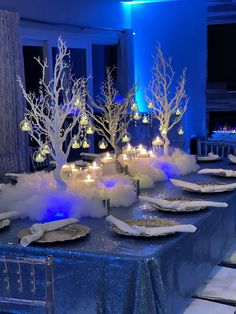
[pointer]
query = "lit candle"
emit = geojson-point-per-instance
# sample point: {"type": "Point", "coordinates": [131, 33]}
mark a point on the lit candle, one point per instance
{"type": "Point", "coordinates": [102, 144]}
{"type": "Point", "coordinates": [75, 144]}
{"type": "Point", "coordinates": [145, 120]}
{"type": "Point", "coordinates": [163, 131]}
{"type": "Point", "coordinates": [107, 158]}
{"type": "Point", "coordinates": [89, 179]}
{"type": "Point", "coordinates": [126, 138]}
{"type": "Point", "coordinates": [133, 107]}
{"type": "Point", "coordinates": [157, 141]}
{"type": "Point", "coordinates": [39, 157]}
{"type": "Point", "coordinates": [144, 153]}
{"type": "Point", "coordinates": [94, 166]}
{"type": "Point", "coordinates": [45, 149]}
{"type": "Point", "coordinates": [151, 153]}
{"type": "Point", "coordinates": [25, 126]}
{"type": "Point", "coordinates": [181, 131]}
{"type": "Point", "coordinates": [86, 144]}
{"type": "Point", "coordinates": [150, 105]}
{"type": "Point", "coordinates": [89, 130]}
{"type": "Point", "coordinates": [77, 103]}
{"type": "Point", "coordinates": [129, 149]}
{"type": "Point", "coordinates": [84, 120]}
{"type": "Point", "coordinates": [178, 112]}
{"type": "Point", "coordinates": [137, 116]}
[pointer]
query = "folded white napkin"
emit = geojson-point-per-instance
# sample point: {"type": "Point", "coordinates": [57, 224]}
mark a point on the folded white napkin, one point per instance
{"type": "Point", "coordinates": [220, 285]}
{"type": "Point", "coordinates": [205, 189]}
{"type": "Point", "coordinates": [210, 156]}
{"type": "Point", "coordinates": [37, 230]}
{"type": "Point", "coordinates": [227, 172]}
{"type": "Point", "coordinates": [199, 306]}
{"type": "Point", "coordinates": [181, 204]}
{"type": "Point", "coordinates": [232, 158]}
{"type": "Point", "coordinates": [8, 215]}
{"type": "Point", "coordinates": [152, 231]}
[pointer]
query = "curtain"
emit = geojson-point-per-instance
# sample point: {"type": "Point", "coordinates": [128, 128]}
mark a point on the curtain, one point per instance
{"type": "Point", "coordinates": [13, 142]}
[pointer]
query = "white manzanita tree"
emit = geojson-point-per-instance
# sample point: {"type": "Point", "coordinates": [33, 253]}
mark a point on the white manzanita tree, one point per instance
{"type": "Point", "coordinates": [111, 113]}
{"type": "Point", "coordinates": [52, 118]}
{"type": "Point", "coordinates": [168, 103]}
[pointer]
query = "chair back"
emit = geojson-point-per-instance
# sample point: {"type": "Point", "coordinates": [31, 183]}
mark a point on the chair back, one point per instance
{"type": "Point", "coordinates": [27, 282]}
{"type": "Point", "coordinates": [223, 149]}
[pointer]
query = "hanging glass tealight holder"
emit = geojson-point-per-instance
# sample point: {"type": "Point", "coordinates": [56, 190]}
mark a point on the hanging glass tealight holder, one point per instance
{"type": "Point", "coordinates": [145, 119]}
{"type": "Point", "coordinates": [84, 120]}
{"type": "Point", "coordinates": [134, 107]}
{"type": "Point", "coordinates": [150, 105]}
{"type": "Point", "coordinates": [137, 116]}
{"type": "Point", "coordinates": [76, 143]}
{"type": "Point", "coordinates": [25, 125]}
{"type": "Point", "coordinates": [77, 102]}
{"type": "Point", "coordinates": [126, 138]}
{"type": "Point", "coordinates": [178, 112]}
{"type": "Point", "coordinates": [86, 143]}
{"type": "Point", "coordinates": [89, 130]}
{"type": "Point", "coordinates": [45, 149]}
{"type": "Point", "coordinates": [38, 156]}
{"type": "Point", "coordinates": [163, 131]}
{"type": "Point", "coordinates": [102, 144]}
{"type": "Point", "coordinates": [180, 130]}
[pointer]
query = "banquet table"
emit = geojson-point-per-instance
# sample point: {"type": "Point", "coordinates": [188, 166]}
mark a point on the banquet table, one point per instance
{"type": "Point", "coordinates": [107, 273]}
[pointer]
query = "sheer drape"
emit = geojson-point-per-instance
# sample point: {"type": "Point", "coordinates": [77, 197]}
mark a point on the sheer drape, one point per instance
{"type": "Point", "coordinates": [13, 146]}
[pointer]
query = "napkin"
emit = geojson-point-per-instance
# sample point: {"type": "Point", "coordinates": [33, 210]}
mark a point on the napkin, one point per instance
{"type": "Point", "coordinates": [232, 158]}
{"type": "Point", "coordinates": [205, 189]}
{"type": "Point", "coordinates": [227, 172]}
{"type": "Point", "coordinates": [199, 306]}
{"type": "Point", "coordinates": [8, 215]}
{"type": "Point", "coordinates": [210, 156]}
{"type": "Point", "coordinates": [181, 204]}
{"type": "Point", "coordinates": [37, 230]}
{"type": "Point", "coordinates": [152, 231]}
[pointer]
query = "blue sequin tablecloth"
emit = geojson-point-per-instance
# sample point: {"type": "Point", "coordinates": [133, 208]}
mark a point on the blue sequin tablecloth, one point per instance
{"type": "Point", "coordinates": [110, 274]}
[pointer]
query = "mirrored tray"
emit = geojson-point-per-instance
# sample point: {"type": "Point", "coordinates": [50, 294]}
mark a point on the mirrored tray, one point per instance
{"type": "Point", "coordinates": [4, 223]}
{"type": "Point", "coordinates": [185, 210]}
{"type": "Point", "coordinates": [70, 232]}
{"type": "Point", "coordinates": [152, 222]}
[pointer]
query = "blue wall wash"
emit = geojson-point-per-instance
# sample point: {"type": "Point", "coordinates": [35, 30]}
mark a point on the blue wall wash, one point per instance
{"type": "Point", "coordinates": [180, 28]}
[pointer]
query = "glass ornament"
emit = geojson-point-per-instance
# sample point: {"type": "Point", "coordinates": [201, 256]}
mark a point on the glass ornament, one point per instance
{"type": "Point", "coordinates": [25, 125]}
{"type": "Point", "coordinates": [45, 149]}
{"type": "Point", "coordinates": [90, 130]}
{"type": "Point", "coordinates": [150, 105]}
{"type": "Point", "coordinates": [102, 144]}
{"type": "Point", "coordinates": [163, 131]}
{"type": "Point", "coordinates": [86, 143]}
{"type": "Point", "coordinates": [38, 156]}
{"type": "Point", "coordinates": [178, 112]}
{"type": "Point", "coordinates": [180, 131]}
{"type": "Point", "coordinates": [145, 119]}
{"type": "Point", "coordinates": [134, 107]}
{"type": "Point", "coordinates": [126, 138]}
{"type": "Point", "coordinates": [78, 103]}
{"type": "Point", "coordinates": [137, 116]}
{"type": "Point", "coordinates": [84, 120]}
{"type": "Point", "coordinates": [76, 144]}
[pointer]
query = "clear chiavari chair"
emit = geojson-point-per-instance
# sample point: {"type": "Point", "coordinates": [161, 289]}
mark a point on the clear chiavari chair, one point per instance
{"type": "Point", "coordinates": [222, 149]}
{"type": "Point", "coordinates": [27, 283]}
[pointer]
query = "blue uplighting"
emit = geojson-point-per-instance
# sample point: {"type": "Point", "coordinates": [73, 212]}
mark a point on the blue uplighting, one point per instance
{"type": "Point", "coordinates": [110, 183]}
{"type": "Point", "coordinates": [144, 1]}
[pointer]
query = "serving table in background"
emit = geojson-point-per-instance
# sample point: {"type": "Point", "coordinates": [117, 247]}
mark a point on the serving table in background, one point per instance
{"type": "Point", "coordinates": [108, 273]}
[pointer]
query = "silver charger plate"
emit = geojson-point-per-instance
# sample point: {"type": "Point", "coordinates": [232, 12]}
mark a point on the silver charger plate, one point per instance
{"type": "Point", "coordinates": [67, 233]}
{"type": "Point", "coordinates": [4, 223]}
{"type": "Point", "coordinates": [152, 222]}
{"type": "Point", "coordinates": [210, 184]}
{"type": "Point", "coordinates": [185, 210]}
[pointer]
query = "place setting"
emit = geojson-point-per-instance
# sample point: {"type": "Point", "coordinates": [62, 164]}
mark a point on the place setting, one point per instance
{"type": "Point", "coordinates": [147, 227]}
{"type": "Point", "coordinates": [208, 158]}
{"type": "Point", "coordinates": [55, 231]}
{"type": "Point", "coordinates": [178, 204]}
{"type": "Point", "coordinates": [219, 172]}
{"type": "Point", "coordinates": [204, 187]}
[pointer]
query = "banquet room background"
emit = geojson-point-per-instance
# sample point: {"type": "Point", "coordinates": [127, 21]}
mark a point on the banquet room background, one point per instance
{"type": "Point", "coordinates": [97, 27]}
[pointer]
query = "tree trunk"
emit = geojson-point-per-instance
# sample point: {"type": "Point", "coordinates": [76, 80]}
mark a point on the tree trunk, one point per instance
{"type": "Point", "coordinates": [60, 161]}
{"type": "Point", "coordinates": [119, 167]}
{"type": "Point", "coordinates": [166, 146]}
